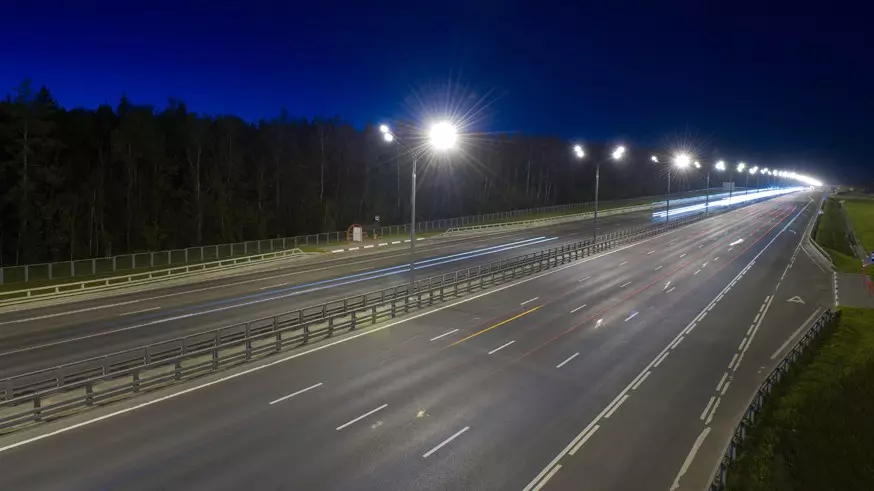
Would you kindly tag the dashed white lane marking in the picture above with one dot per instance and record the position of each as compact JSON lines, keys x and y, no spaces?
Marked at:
{"x":732,"y":362}
{"x":548,"y":477}
{"x":616,"y":406}
{"x":445,"y":334}
{"x":359,"y":418}
{"x":713,"y":412}
{"x":721,"y":381}
{"x":586,"y":278}
{"x":578,"y":308}
{"x":569,"y":359}
{"x":139,"y":311}
{"x":650,"y":252}
{"x":499,"y":348}
{"x":583,"y":441}
{"x":368,"y":246}
{"x":725,"y":388}
{"x":707,"y":408}
{"x":672,"y":289}
{"x":690,"y":457}
{"x":683,"y":255}
{"x":289,"y":396}
{"x":381,"y":244}
{"x":696,"y":272}
{"x":444,"y":442}
{"x":700,"y":245}
{"x":716,"y":258}
{"x":528,"y":301}
{"x":661,"y":359}
{"x":658,"y":268}
{"x":625,"y":284}
{"x":623,"y":263}
{"x":632,"y":316}
{"x":666,"y":286}
{"x":396,"y":242}
{"x":338,"y":250}
{"x":677,"y":342}
{"x":639,"y":382}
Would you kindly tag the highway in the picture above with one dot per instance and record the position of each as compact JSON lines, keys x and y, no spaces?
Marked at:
{"x":51,"y":333}
{"x":621,"y":371}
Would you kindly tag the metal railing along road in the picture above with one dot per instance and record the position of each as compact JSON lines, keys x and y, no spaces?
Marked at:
{"x":126,"y":262}
{"x":125,"y":280}
{"x":761,"y":396}
{"x":545,"y":221}
{"x":53,"y":392}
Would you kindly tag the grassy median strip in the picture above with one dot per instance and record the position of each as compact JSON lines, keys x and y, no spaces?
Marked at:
{"x":816,"y":431}
{"x":832,"y":236}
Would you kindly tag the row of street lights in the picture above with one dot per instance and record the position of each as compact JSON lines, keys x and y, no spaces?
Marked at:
{"x":443,"y":136}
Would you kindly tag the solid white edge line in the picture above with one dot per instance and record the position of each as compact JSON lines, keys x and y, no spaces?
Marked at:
{"x":174,"y":395}
{"x":445,"y":334}
{"x":721,"y":381}
{"x":707,"y":408}
{"x":797,"y":331}
{"x":548,"y":477}
{"x":289,"y":396}
{"x":359,"y":418}
{"x":444,"y":442}
{"x":677,"y":343}
{"x":661,"y":358}
{"x":583,"y":441}
{"x":689,"y":458}
{"x":713,"y":411}
{"x":597,"y":418}
{"x":499,"y":348}
{"x":616,"y":406}
{"x":138,"y":311}
{"x":569,"y":359}
{"x":528,"y":301}
{"x":640,"y":382}
{"x":732,"y":362}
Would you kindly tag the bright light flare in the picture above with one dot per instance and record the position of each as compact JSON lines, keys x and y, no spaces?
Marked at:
{"x":741,"y":166}
{"x":442,"y":135}
{"x":383,"y":128}
{"x":720,"y":166}
{"x":388,"y":137}
{"x":754,"y":170}
{"x":579,"y":152}
{"x":682,"y":160}
{"x":697,"y":165}
{"x":618,"y":153}
{"x":654,"y":159}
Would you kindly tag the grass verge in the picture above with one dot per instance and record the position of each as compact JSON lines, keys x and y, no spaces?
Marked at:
{"x":816,"y":432}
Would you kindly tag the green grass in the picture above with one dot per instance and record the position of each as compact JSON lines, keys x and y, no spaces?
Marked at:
{"x":816,"y":432}
{"x":832,"y":236}
{"x":861,"y":215}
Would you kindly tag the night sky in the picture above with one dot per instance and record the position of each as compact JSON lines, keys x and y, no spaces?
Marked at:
{"x":779,"y":85}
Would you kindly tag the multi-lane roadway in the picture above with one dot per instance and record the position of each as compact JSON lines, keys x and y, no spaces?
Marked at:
{"x":36,"y":335}
{"x":622,"y":371}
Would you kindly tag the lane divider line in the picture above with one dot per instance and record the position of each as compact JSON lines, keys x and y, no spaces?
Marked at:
{"x":569,"y":359}
{"x":289,"y":396}
{"x":359,"y":418}
{"x":444,"y":442}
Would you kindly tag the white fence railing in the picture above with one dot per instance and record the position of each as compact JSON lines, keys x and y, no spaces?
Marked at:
{"x":538,"y":222}
{"x":115,"y":281}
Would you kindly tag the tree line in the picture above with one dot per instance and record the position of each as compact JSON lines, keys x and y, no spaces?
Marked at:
{"x":78,"y":183}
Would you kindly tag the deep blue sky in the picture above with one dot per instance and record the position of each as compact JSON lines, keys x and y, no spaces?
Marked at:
{"x":779,"y":84}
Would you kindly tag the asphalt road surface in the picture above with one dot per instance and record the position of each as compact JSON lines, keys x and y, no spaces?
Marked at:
{"x":48,"y":335}
{"x":602,"y":374}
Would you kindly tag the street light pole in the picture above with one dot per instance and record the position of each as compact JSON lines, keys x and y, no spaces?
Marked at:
{"x":441,"y":136}
{"x":597,"y":186}
{"x":413,"y":226}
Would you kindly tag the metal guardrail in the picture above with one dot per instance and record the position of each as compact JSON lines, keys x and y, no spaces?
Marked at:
{"x":124,"y":262}
{"x":112,"y":281}
{"x":761,"y":396}
{"x":55,"y":391}
{"x":545,"y":221}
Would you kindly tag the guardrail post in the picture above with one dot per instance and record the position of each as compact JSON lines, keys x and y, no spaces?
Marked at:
{"x":215,"y":344}
{"x":136,"y":384}
{"x":114,"y":263}
{"x":133,"y":260}
{"x":10,"y":390}
{"x":37,"y":414}
{"x":89,"y":391}
{"x":72,"y":269}
{"x":151,"y":259}
{"x":352,"y":322}
{"x":248,"y":341}
{"x":26,"y":273}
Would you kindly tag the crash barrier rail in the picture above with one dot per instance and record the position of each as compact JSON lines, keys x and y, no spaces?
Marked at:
{"x":811,"y":237}
{"x":545,"y":221}
{"x":760,"y":398}
{"x":125,"y":262}
{"x":112,"y":281}
{"x":53,"y":392}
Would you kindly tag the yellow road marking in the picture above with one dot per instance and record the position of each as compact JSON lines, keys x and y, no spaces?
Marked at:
{"x":499,"y":324}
